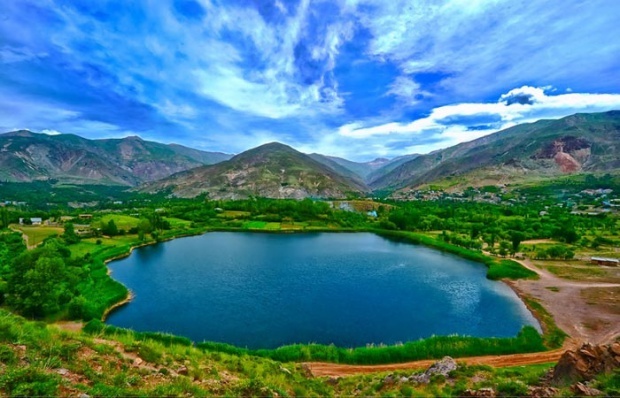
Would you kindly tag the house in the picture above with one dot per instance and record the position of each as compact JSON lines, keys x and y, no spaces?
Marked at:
{"x":33,"y":221}
{"x":85,"y":216}
{"x":613,"y":262}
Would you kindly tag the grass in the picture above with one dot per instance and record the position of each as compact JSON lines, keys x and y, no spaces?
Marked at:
{"x":553,"y":336}
{"x":578,"y":273}
{"x":102,"y":363}
{"x":38,"y":233}
{"x":176,"y":223}
{"x":121,"y":221}
{"x":509,"y":269}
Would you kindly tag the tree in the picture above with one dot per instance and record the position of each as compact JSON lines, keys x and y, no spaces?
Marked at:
{"x":503,"y":248}
{"x":38,"y":282}
{"x":4,"y":218}
{"x":516,"y":238}
{"x":69,"y":235}
{"x":110,"y":228}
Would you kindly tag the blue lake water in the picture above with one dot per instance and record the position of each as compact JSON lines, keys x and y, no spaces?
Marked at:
{"x":351,"y":289}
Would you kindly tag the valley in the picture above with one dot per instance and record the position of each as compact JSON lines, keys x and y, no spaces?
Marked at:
{"x":538,"y":234}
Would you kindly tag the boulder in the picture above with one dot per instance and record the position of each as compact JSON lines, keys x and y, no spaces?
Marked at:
{"x":585,"y":363}
{"x":443,"y":367}
{"x":542,"y":392}
{"x":482,"y":392}
{"x":584,"y":390}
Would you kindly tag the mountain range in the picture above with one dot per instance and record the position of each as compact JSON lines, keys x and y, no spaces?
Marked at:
{"x":27,"y":156}
{"x":581,"y":143}
{"x":547,"y":148}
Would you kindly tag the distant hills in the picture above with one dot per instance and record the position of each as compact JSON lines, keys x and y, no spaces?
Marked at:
{"x":272,"y":170}
{"x":581,"y":143}
{"x":26,"y":156}
{"x":544,"y":149}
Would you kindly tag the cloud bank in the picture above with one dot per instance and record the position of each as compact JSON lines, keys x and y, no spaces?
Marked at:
{"x":355,"y":78}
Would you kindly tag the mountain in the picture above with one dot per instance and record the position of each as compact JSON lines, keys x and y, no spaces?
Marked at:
{"x":27,"y":156}
{"x":366,"y":171}
{"x":388,"y":166}
{"x":547,"y":148}
{"x":360,"y":169}
{"x":271,"y":170}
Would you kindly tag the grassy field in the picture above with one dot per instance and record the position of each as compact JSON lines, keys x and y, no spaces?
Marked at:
{"x":121,"y":221}
{"x":36,"y":234}
{"x":178,"y":223}
{"x":91,"y":246}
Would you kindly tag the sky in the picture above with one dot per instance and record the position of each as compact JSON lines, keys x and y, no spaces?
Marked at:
{"x":354,"y":78}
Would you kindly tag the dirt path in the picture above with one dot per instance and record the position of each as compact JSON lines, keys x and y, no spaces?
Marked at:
{"x":322,"y":369}
{"x":582,"y":320}
{"x":537,"y":241}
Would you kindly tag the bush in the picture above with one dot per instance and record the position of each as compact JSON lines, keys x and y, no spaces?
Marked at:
{"x":528,"y":340}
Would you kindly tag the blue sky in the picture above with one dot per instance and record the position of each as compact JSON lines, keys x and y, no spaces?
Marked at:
{"x":352,"y":78}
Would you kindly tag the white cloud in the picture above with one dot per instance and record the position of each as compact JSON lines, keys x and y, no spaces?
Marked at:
{"x":50,"y":132}
{"x":452,"y":124}
{"x":484,"y":46}
{"x":406,"y":89}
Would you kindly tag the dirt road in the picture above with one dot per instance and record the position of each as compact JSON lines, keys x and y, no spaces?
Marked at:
{"x":322,"y":369}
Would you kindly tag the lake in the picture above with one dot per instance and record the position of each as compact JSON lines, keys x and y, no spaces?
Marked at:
{"x":262,"y":290}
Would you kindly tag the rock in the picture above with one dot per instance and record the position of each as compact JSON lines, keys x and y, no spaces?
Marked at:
{"x":615,"y":348}
{"x":138,"y":361}
{"x":182,"y":370}
{"x":84,"y":396}
{"x":389,"y":379}
{"x":584,"y":364}
{"x":585,"y":391}
{"x":332,"y":380}
{"x":443,"y":367}
{"x":307,"y":370}
{"x":483,"y":392}
{"x":542,"y":392}
{"x":62,"y":371}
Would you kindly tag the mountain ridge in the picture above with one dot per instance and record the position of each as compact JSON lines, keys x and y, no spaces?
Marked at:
{"x":272,"y":170}
{"x":585,"y":142}
{"x":27,"y":156}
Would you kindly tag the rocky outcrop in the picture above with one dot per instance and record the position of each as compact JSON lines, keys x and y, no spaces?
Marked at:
{"x":443,"y":368}
{"x":586,"y":363}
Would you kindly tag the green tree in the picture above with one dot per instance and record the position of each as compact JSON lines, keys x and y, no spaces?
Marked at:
{"x":69,"y":235}
{"x":516,"y":238}
{"x":38,"y":282}
{"x":110,"y":228}
{"x":4,"y":218}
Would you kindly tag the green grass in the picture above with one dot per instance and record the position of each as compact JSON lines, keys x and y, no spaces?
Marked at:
{"x":176,"y":223}
{"x":37,"y":234}
{"x":509,"y":269}
{"x":553,"y":336}
{"x":255,"y":225}
{"x":121,"y":221}
{"x":528,"y":340}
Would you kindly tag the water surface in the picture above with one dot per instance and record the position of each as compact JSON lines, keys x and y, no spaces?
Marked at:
{"x":350,"y":289}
